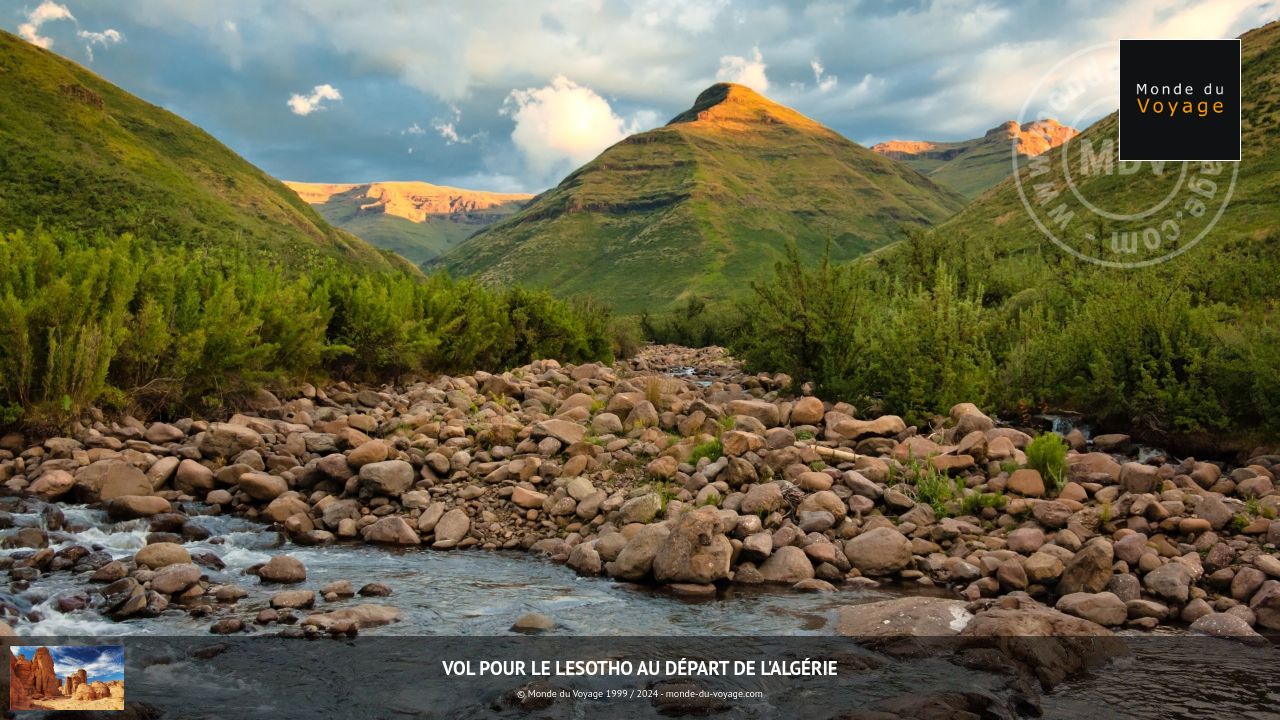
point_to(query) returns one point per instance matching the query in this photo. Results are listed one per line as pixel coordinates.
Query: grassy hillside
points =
(971, 167)
(416, 220)
(82, 154)
(703, 205)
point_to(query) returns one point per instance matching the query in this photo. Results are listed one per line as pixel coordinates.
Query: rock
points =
(880, 551)
(163, 433)
(788, 564)
(663, 467)
(53, 484)
(1025, 540)
(451, 529)
(361, 616)
(765, 412)
(129, 507)
(533, 623)
(294, 599)
(1103, 608)
(1246, 582)
(1265, 605)
(695, 551)
(807, 411)
(563, 430)
(1138, 478)
(527, 498)
(641, 509)
(173, 579)
(367, 453)
(107, 479)
(390, 477)
(227, 626)
(1043, 567)
(1269, 564)
(1171, 581)
(193, 478)
(762, 498)
(391, 530)
(158, 555)
(1226, 625)
(636, 559)
(1089, 571)
(1026, 482)
(585, 560)
(261, 486)
(903, 617)
(1049, 645)
(814, 585)
(883, 426)
(224, 440)
(283, 569)
(1212, 508)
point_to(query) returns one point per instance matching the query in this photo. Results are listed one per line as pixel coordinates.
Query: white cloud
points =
(414, 129)
(107, 663)
(825, 82)
(45, 12)
(448, 128)
(737, 69)
(691, 17)
(307, 104)
(564, 123)
(106, 37)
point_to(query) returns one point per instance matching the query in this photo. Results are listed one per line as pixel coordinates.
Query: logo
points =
(1097, 207)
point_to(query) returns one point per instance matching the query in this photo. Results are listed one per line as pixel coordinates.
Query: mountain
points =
(81, 153)
(701, 206)
(970, 167)
(415, 219)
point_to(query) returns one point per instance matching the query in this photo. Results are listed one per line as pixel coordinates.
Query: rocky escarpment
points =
(648, 473)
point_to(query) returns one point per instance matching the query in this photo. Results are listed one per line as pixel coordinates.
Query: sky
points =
(101, 663)
(511, 95)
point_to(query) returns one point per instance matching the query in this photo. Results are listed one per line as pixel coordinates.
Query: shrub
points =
(1047, 453)
(711, 449)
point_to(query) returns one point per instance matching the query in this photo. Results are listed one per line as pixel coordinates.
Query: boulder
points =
(361, 616)
(224, 440)
(1103, 608)
(261, 486)
(1227, 625)
(563, 430)
(695, 550)
(526, 498)
(391, 530)
(193, 478)
(107, 479)
(636, 559)
(765, 412)
(762, 498)
(880, 551)
(158, 555)
(640, 509)
(452, 527)
(903, 617)
(1089, 571)
(53, 484)
(283, 569)
(807, 411)
(389, 477)
(294, 599)
(533, 623)
(176, 578)
(1026, 482)
(1171, 581)
(788, 564)
(1046, 644)
(129, 507)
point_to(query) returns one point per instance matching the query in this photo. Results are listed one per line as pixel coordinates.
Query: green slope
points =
(702, 206)
(82, 154)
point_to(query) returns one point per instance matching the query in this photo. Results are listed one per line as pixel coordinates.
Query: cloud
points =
(448, 128)
(104, 662)
(307, 104)
(825, 82)
(47, 11)
(414, 129)
(107, 37)
(564, 124)
(737, 69)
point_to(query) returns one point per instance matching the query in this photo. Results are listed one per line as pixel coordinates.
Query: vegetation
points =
(123, 321)
(1047, 453)
(711, 449)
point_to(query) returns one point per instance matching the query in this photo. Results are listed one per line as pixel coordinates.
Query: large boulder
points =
(1046, 644)
(764, 411)
(762, 498)
(193, 478)
(389, 477)
(107, 479)
(636, 559)
(158, 555)
(788, 564)
(563, 430)
(1171, 581)
(53, 484)
(129, 507)
(903, 617)
(695, 551)
(807, 411)
(883, 426)
(361, 616)
(224, 440)
(261, 486)
(283, 569)
(175, 578)
(879, 551)
(1103, 608)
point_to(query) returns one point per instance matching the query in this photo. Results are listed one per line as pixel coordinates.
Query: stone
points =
(880, 551)
(262, 487)
(526, 498)
(1089, 571)
(927, 617)
(1025, 540)
(361, 616)
(883, 426)
(636, 559)
(1171, 581)
(1026, 482)
(563, 430)
(158, 555)
(294, 599)
(1212, 508)
(762, 498)
(193, 479)
(224, 440)
(162, 433)
(1265, 605)
(1103, 608)
(695, 550)
(1138, 478)
(107, 479)
(765, 412)
(283, 569)
(663, 467)
(1226, 625)
(640, 509)
(375, 589)
(391, 530)
(367, 453)
(172, 579)
(533, 623)
(53, 484)
(389, 477)
(129, 507)
(1043, 567)
(1049, 645)
(807, 411)
(451, 529)
(787, 564)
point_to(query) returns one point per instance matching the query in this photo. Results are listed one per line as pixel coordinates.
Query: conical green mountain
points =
(80, 153)
(703, 205)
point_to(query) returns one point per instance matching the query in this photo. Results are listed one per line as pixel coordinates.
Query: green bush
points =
(1047, 453)
(711, 449)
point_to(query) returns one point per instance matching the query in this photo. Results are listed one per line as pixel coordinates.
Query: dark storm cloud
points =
(427, 88)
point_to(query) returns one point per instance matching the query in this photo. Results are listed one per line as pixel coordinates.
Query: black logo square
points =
(1179, 100)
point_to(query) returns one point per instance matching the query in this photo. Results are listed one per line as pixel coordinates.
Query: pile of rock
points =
(683, 481)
